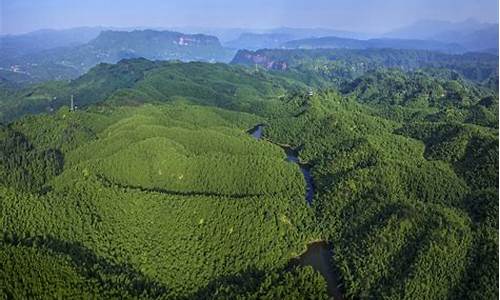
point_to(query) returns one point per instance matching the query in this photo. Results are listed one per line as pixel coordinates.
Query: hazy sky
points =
(18, 16)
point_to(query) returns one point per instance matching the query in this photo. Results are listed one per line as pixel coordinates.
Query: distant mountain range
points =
(36, 41)
(459, 37)
(275, 38)
(66, 54)
(157, 45)
(345, 43)
(112, 46)
(255, 41)
(470, 34)
(428, 29)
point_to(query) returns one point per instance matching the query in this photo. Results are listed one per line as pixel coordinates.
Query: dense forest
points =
(153, 187)
(324, 67)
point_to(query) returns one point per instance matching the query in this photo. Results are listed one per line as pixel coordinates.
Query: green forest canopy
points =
(154, 189)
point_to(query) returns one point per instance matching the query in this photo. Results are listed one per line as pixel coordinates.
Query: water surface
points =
(291, 156)
(318, 254)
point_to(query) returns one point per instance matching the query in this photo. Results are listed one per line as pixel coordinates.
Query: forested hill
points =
(137, 81)
(337, 64)
(448, 79)
(113, 46)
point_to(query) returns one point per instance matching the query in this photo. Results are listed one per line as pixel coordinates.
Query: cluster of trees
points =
(296, 283)
(415, 89)
(43, 266)
(188, 161)
(24, 167)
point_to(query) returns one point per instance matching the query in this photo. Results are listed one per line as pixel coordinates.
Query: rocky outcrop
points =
(245, 57)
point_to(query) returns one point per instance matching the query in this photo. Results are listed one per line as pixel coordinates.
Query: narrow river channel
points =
(318, 254)
(292, 156)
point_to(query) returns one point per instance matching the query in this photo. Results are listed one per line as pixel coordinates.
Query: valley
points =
(292, 156)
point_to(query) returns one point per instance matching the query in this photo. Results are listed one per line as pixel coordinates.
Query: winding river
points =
(319, 253)
(292, 156)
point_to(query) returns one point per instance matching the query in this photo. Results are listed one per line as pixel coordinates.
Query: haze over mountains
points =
(435, 29)
(66, 54)
(471, 34)
(110, 47)
(275, 38)
(336, 42)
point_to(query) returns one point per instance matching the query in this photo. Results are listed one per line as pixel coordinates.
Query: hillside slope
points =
(137, 81)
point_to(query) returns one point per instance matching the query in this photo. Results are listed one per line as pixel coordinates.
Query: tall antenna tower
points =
(72, 108)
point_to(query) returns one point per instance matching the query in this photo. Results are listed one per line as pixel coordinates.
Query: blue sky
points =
(18, 16)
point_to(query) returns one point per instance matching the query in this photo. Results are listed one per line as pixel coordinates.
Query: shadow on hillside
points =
(229, 286)
(111, 277)
(108, 183)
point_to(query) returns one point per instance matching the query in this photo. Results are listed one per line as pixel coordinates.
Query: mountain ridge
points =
(332, 42)
(111, 46)
(470, 33)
